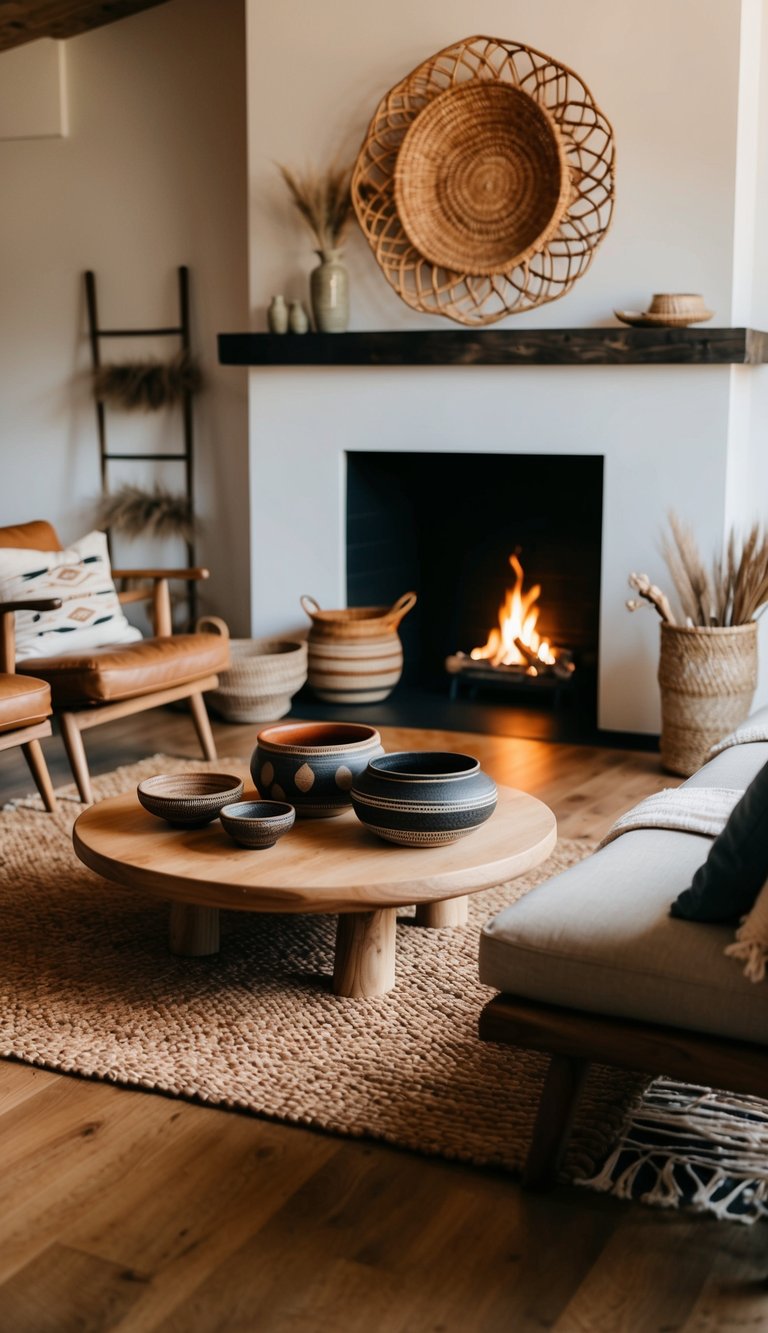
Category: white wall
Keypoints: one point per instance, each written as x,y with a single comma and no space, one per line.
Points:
151,175
667,76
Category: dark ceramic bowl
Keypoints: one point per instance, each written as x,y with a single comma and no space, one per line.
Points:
313,764
423,798
188,800
257,824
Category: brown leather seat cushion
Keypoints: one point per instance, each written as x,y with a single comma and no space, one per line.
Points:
23,701
104,675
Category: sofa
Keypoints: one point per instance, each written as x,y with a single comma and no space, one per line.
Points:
590,966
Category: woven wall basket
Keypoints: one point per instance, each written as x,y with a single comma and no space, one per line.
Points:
707,679
485,181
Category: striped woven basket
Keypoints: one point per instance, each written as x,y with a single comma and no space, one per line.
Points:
707,679
355,671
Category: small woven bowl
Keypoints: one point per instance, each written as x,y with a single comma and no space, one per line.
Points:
257,824
189,800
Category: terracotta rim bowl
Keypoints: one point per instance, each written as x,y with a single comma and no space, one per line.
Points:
257,824
316,737
313,764
189,800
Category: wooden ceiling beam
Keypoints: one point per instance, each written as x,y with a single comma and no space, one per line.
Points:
26,20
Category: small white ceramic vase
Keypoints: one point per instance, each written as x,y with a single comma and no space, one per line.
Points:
277,315
298,320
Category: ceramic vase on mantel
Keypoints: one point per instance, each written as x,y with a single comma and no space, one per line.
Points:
329,292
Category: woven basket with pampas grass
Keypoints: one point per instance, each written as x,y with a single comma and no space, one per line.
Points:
708,658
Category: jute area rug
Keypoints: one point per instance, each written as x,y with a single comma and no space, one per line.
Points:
88,987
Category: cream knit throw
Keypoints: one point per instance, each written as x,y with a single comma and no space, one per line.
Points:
683,809
745,735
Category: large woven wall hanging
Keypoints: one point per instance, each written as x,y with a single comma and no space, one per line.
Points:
486,181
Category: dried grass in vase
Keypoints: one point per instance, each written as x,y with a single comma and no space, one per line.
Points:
733,592
323,200
136,512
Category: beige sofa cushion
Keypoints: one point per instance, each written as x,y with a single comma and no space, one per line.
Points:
599,937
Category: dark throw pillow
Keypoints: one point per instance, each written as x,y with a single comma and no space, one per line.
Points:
727,884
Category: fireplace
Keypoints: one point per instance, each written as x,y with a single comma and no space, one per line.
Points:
446,525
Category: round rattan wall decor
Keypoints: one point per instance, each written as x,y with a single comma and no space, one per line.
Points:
485,181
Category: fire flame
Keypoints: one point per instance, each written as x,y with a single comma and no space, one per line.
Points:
517,621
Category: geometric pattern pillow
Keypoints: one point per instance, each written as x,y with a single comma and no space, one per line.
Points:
90,615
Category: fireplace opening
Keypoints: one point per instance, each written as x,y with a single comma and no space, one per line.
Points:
470,533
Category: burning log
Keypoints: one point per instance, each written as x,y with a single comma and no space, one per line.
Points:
461,664
531,657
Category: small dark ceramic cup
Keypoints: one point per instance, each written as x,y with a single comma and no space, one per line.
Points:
313,764
423,798
188,800
257,824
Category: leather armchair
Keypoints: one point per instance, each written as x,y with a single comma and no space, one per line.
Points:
25,703
101,684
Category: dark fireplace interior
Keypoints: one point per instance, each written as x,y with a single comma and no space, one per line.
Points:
446,525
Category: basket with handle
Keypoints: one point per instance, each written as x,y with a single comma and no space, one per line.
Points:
355,654
356,622
263,676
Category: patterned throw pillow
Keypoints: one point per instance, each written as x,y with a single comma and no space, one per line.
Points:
90,615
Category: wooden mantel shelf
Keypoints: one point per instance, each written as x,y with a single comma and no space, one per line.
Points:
697,346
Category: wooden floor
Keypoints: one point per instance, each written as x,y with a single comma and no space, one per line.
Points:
126,1210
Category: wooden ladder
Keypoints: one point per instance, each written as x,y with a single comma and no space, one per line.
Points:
184,456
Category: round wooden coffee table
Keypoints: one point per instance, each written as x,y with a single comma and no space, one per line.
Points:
320,866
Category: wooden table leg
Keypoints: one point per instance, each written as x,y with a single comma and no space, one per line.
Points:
449,912
194,931
365,953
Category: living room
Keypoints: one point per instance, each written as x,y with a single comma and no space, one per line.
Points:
285,1122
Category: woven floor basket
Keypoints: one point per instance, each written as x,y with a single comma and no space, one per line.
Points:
261,681
707,679
356,622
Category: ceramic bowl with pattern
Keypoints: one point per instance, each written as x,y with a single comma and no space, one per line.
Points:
189,800
313,764
257,824
423,798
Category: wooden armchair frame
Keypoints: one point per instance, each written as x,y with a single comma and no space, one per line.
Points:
74,722
27,737
574,1039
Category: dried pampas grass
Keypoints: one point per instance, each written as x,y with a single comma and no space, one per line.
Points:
324,201
733,592
139,513
147,385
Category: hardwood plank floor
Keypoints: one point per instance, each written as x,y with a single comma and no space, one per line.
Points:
122,1210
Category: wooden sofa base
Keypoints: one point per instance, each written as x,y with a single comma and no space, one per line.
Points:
575,1039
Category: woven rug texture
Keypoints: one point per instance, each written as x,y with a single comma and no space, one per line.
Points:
88,987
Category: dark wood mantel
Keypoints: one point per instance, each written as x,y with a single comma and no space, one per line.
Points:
698,346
